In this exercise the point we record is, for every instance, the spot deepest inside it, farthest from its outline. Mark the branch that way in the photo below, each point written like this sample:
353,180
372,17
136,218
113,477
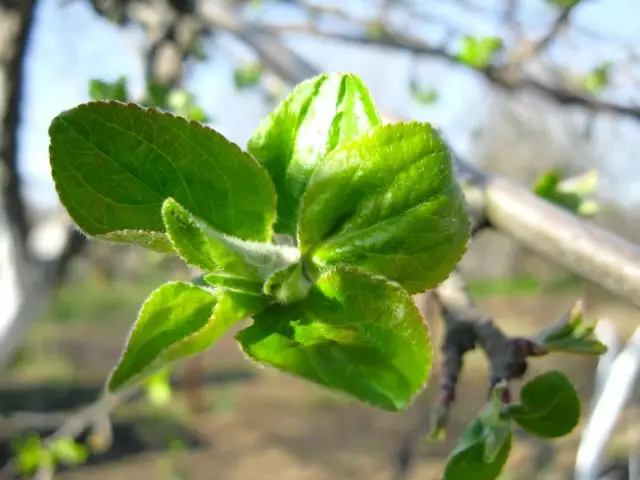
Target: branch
465,327
499,76
582,247
94,417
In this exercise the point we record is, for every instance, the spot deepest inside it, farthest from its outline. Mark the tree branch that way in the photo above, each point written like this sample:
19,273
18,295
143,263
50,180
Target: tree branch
500,76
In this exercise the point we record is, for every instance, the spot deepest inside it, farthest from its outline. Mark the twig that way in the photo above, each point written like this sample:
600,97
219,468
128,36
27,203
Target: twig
499,76
94,416
560,22
466,327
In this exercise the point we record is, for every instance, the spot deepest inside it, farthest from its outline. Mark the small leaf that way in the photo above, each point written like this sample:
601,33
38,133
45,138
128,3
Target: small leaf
550,406
99,90
247,75
32,455
479,52
355,333
178,320
157,95
388,203
571,335
288,285
484,446
201,246
158,388
115,164
598,78
69,452
319,115
563,3
468,460
423,95
184,104
569,193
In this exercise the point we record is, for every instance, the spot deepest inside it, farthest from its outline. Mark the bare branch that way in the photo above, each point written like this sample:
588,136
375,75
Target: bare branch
500,76
561,21
559,235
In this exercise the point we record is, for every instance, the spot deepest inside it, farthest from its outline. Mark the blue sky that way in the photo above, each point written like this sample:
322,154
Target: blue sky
70,45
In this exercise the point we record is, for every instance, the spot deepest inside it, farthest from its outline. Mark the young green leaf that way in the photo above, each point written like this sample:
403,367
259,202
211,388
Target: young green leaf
550,406
247,75
596,80
469,459
201,246
570,193
234,284
115,164
288,285
158,388
31,455
319,115
389,203
178,320
572,334
183,103
69,452
99,90
563,3
479,52
359,334
484,446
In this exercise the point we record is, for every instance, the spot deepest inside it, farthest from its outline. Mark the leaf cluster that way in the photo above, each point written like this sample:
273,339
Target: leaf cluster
319,231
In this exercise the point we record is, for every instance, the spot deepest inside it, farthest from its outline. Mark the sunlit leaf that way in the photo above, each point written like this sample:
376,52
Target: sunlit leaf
389,203
479,52
354,333
318,116
178,320
572,334
114,165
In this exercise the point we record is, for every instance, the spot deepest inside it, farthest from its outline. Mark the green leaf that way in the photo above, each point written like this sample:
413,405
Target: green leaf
69,452
247,75
32,455
158,388
178,320
569,193
157,95
183,103
550,406
355,333
319,115
484,446
596,80
115,164
563,3
388,203
572,334
479,52
288,285
423,95
99,90
469,459
201,246
234,284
